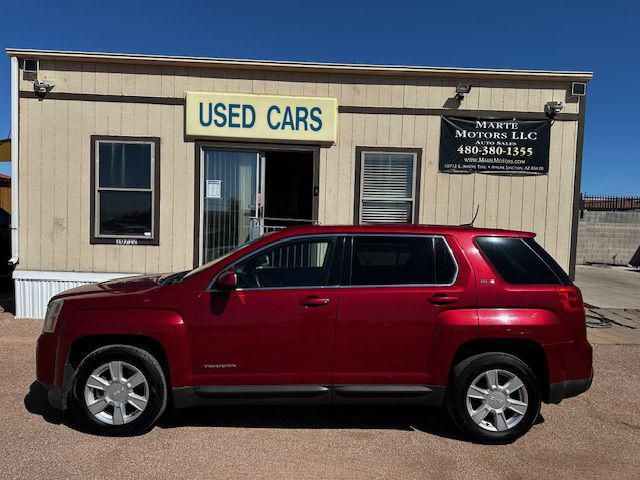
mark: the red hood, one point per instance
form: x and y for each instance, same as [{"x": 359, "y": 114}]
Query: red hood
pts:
[{"x": 111, "y": 287}]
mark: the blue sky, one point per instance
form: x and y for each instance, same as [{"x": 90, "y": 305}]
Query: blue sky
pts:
[{"x": 599, "y": 36}]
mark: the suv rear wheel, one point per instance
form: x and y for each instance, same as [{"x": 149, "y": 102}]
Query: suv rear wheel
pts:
[
  {"x": 120, "y": 390},
  {"x": 495, "y": 397}
]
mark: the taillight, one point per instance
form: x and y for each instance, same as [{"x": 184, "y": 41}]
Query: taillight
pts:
[{"x": 570, "y": 298}]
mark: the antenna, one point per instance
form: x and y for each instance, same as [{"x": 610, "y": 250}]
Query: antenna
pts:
[{"x": 475, "y": 215}]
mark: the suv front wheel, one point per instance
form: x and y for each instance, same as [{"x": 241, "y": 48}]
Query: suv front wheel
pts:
[
  {"x": 120, "y": 390},
  {"x": 494, "y": 398}
]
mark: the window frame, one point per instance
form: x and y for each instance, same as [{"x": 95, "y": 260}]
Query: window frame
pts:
[
  {"x": 358, "y": 198},
  {"x": 348, "y": 261},
  {"x": 95, "y": 237},
  {"x": 337, "y": 259}
]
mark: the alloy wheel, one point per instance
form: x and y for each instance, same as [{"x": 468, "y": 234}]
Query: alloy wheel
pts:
[
  {"x": 497, "y": 400},
  {"x": 116, "y": 393}
]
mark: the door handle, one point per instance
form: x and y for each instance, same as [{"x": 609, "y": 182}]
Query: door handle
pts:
[
  {"x": 313, "y": 301},
  {"x": 442, "y": 299}
]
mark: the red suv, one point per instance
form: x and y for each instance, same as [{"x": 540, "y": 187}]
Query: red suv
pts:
[{"x": 481, "y": 321}]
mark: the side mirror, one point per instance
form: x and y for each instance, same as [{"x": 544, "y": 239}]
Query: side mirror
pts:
[{"x": 227, "y": 281}]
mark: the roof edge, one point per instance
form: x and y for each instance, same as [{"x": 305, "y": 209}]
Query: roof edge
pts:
[{"x": 281, "y": 65}]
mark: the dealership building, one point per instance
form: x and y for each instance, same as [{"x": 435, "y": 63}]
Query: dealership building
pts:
[{"x": 132, "y": 164}]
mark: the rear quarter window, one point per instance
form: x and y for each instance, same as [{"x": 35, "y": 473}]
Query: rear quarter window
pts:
[{"x": 521, "y": 261}]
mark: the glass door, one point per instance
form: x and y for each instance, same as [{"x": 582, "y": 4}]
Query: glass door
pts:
[{"x": 230, "y": 192}]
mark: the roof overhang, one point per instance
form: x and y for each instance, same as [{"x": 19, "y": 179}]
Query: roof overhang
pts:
[{"x": 329, "y": 68}]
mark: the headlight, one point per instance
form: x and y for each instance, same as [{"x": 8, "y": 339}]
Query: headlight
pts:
[{"x": 51, "y": 318}]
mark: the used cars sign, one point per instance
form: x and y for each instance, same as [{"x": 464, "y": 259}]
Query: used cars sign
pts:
[
  {"x": 486, "y": 145},
  {"x": 261, "y": 117}
]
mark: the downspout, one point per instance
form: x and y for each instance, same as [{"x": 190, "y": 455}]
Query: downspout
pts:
[{"x": 15, "y": 138}]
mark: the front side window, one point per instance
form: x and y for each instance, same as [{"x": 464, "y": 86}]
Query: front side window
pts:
[
  {"x": 298, "y": 263},
  {"x": 388, "y": 260},
  {"x": 125, "y": 201},
  {"x": 387, "y": 186}
]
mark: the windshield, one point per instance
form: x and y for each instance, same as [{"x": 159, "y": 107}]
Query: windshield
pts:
[{"x": 219, "y": 259}]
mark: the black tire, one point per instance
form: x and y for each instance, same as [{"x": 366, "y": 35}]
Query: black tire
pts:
[
  {"x": 155, "y": 379},
  {"x": 465, "y": 372}
]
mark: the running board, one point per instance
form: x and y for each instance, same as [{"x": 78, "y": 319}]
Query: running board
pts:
[
  {"x": 388, "y": 395},
  {"x": 382, "y": 390},
  {"x": 243, "y": 391},
  {"x": 184, "y": 397}
]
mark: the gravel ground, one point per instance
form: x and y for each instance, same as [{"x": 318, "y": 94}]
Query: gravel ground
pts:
[{"x": 596, "y": 435}]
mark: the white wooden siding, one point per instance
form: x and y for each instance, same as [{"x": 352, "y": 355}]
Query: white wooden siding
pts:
[{"x": 55, "y": 155}]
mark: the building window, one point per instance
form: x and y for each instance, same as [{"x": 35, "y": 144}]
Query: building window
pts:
[
  {"x": 125, "y": 175},
  {"x": 387, "y": 185}
]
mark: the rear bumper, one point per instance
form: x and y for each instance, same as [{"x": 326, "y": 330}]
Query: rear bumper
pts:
[
  {"x": 570, "y": 369},
  {"x": 569, "y": 388}
]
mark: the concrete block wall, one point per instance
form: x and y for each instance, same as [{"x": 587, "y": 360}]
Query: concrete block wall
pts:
[{"x": 608, "y": 237}]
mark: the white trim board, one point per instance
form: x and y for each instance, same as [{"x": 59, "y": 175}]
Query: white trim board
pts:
[
  {"x": 352, "y": 68},
  {"x": 34, "y": 288},
  {"x": 88, "y": 277},
  {"x": 15, "y": 139}
]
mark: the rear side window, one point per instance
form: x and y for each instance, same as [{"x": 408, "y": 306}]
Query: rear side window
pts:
[
  {"x": 444, "y": 266},
  {"x": 389, "y": 260},
  {"x": 521, "y": 261},
  {"x": 548, "y": 259}
]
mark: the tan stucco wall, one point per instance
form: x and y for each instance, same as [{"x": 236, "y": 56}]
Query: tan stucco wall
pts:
[{"x": 55, "y": 157}]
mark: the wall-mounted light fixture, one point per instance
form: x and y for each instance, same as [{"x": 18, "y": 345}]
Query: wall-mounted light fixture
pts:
[
  {"x": 552, "y": 109},
  {"x": 42, "y": 87},
  {"x": 462, "y": 89}
]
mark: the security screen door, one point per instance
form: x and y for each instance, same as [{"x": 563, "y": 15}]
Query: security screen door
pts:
[{"x": 230, "y": 191}]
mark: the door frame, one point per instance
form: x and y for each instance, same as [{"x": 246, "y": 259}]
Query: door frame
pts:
[{"x": 200, "y": 146}]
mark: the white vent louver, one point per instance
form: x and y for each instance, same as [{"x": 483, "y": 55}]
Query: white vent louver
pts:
[{"x": 387, "y": 187}]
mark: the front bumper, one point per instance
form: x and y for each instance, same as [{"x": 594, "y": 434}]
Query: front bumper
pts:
[
  {"x": 569, "y": 388},
  {"x": 46, "y": 350},
  {"x": 55, "y": 396},
  {"x": 57, "y": 384}
]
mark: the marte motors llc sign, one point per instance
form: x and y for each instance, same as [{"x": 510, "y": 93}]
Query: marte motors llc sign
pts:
[{"x": 494, "y": 146}]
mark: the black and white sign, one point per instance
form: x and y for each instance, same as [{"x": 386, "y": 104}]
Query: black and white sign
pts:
[
  {"x": 214, "y": 189},
  {"x": 494, "y": 146}
]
